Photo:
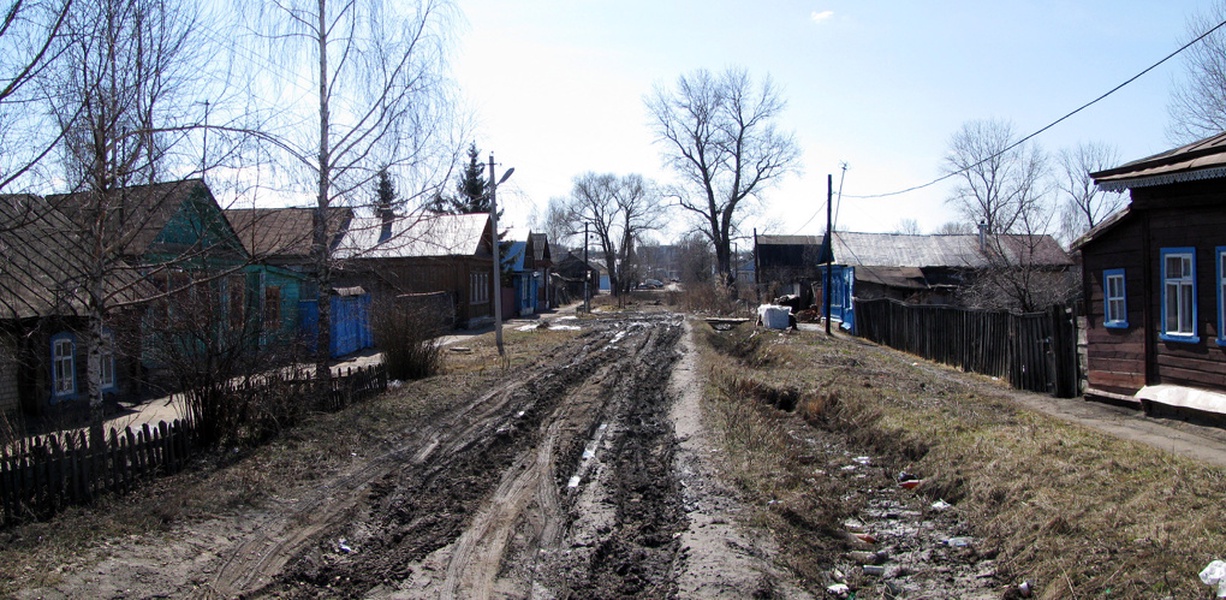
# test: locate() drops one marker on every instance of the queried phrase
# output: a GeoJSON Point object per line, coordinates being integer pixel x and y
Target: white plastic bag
{"type": "Point", "coordinates": [1215, 575]}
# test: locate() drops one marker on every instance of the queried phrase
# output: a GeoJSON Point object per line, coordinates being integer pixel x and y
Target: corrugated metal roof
{"type": "Point", "coordinates": [417, 235]}
{"type": "Point", "coordinates": [1202, 159]}
{"type": "Point", "coordinates": [956, 250]}
{"type": "Point", "coordinates": [789, 240]}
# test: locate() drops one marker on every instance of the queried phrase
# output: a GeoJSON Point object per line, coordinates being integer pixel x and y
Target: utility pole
{"type": "Point", "coordinates": [829, 244]}
{"type": "Point", "coordinates": [587, 275]}
{"type": "Point", "coordinates": [497, 282]}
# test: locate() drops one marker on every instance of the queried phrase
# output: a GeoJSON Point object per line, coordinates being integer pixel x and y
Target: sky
{"type": "Point", "coordinates": [556, 88]}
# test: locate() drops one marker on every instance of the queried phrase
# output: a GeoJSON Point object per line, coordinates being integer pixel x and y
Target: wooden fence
{"type": "Point", "coordinates": [41, 475]}
{"type": "Point", "coordinates": [1033, 351]}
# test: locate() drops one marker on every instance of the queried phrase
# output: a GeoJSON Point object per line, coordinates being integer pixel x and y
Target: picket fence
{"type": "Point", "coordinates": [42, 475]}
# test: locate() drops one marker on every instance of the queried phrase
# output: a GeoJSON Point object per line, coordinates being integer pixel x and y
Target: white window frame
{"type": "Point", "coordinates": [1179, 304]}
{"type": "Point", "coordinates": [1115, 299]}
{"type": "Point", "coordinates": [63, 365]}
{"type": "Point", "coordinates": [479, 288]}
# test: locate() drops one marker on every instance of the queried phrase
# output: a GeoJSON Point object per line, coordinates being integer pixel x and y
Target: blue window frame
{"type": "Point", "coordinates": [1115, 303]}
{"type": "Point", "coordinates": [63, 365]}
{"type": "Point", "coordinates": [1220, 253]}
{"type": "Point", "coordinates": [1179, 295]}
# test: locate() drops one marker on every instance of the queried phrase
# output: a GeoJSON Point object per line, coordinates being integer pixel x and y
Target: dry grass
{"type": "Point", "coordinates": [1078, 512]}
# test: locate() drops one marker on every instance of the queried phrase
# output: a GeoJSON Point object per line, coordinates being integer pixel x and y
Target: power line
{"type": "Point", "coordinates": [1049, 125]}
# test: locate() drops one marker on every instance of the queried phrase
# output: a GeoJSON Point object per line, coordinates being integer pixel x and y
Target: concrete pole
{"type": "Point", "coordinates": [496, 283]}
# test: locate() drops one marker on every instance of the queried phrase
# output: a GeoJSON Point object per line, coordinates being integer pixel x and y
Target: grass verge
{"type": "Point", "coordinates": [1079, 513]}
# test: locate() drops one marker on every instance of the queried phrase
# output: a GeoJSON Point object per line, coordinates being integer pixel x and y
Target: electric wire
{"type": "Point", "coordinates": [1049, 125]}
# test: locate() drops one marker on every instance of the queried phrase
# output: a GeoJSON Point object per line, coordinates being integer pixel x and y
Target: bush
{"type": "Point", "coordinates": [407, 332]}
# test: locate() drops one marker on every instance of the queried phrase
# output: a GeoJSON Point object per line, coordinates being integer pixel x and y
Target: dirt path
{"type": "Point", "coordinates": [568, 481]}
{"type": "Point", "coordinates": [723, 559]}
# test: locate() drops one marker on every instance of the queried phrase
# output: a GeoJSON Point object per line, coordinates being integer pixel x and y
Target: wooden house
{"type": "Point", "coordinates": [527, 263]}
{"type": "Point", "coordinates": [572, 273]}
{"type": "Point", "coordinates": [542, 263]}
{"type": "Point", "coordinates": [1154, 282]}
{"type": "Point", "coordinates": [423, 253]}
{"type": "Point", "coordinates": [177, 237]}
{"type": "Point", "coordinates": [279, 242]}
{"type": "Point", "coordinates": [45, 271]}
{"type": "Point", "coordinates": [787, 264]}
{"type": "Point", "coordinates": [932, 269]}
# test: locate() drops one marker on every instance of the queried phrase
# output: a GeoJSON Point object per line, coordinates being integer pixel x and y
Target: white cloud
{"type": "Point", "coordinates": [818, 17]}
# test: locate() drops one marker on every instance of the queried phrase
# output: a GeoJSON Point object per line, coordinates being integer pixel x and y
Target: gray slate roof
{"type": "Point", "coordinates": [955, 251]}
{"type": "Point", "coordinates": [44, 264]}
{"type": "Point", "coordinates": [417, 235]}
{"type": "Point", "coordinates": [142, 211]}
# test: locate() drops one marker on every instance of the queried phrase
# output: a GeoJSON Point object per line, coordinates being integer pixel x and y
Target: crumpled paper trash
{"type": "Point", "coordinates": [1215, 575]}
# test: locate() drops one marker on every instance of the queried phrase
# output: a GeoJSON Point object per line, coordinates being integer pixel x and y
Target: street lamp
{"type": "Point", "coordinates": [497, 281]}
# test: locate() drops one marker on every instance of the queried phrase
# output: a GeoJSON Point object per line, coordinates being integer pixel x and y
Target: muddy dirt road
{"type": "Point", "coordinates": [568, 481]}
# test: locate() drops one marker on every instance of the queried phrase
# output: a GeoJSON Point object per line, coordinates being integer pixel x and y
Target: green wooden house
{"type": "Point", "coordinates": [209, 291]}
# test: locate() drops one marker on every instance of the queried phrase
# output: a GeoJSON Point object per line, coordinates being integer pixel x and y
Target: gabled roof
{"type": "Point", "coordinates": [417, 235]}
{"type": "Point", "coordinates": [285, 232]}
{"type": "Point", "coordinates": [955, 251]}
{"type": "Point", "coordinates": [1103, 226]}
{"type": "Point", "coordinates": [1202, 159]}
{"type": "Point", "coordinates": [788, 240]}
{"type": "Point", "coordinates": [540, 249]}
{"type": "Point", "coordinates": [514, 254]}
{"type": "Point", "coordinates": [44, 262]}
{"type": "Point", "coordinates": [138, 214]}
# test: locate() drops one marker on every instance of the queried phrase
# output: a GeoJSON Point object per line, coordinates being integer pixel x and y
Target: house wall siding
{"type": "Point", "coordinates": [1201, 364]}
{"type": "Point", "coordinates": [1188, 215]}
{"type": "Point", "coordinates": [10, 391]}
{"type": "Point", "coordinates": [384, 277]}
{"type": "Point", "coordinates": [1115, 358]}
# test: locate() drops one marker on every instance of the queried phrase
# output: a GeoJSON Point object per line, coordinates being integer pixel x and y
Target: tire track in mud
{"type": "Point", "coordinates": [483, 510]}
{"type": "Point", "coordinates": [254, 563]}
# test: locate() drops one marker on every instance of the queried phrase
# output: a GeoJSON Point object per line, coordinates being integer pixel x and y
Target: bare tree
{"type": "Point", "coordinates": [1084, 205]}
{"type": "Point", "coordinates": [954, 227]}
{"type": "Point", "coordinates": [720, 137]}
{"type": "Point", "coordinates": [29, 34]}
{"type": "Point", "coordinates": [695, 260]}
{"type": "Point", "coordinates": [997, 185]}
{"type": "Point", "coordinates": [907, 227]}
{"type": "Point", "coordinates": [117, 96]}
{"type": "Point", "coordinates": [1198, 103]}
{"type": "Point", "coordinates": [556, 224]}
{"type": "Point", "coordinates": [619, 211]}
{"type": "Point", "coordinates": [379, 102]}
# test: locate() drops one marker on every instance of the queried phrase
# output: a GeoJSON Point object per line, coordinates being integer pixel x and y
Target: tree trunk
{"type": "Point", "coordinates": [319, 245]}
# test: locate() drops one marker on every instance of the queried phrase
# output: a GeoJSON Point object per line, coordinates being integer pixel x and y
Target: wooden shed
{"type": "Point", "coordinates": [1154, 282]}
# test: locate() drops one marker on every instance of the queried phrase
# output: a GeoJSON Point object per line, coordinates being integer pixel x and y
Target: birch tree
{"type": "Point", "coordinates": [720, 136]}
{"type": "Point", "coordinates": [375, 98]}
{"type": "Point", "coordinates": [117, 96]}
{"type": "Point", "coordinates": [1198, 101]}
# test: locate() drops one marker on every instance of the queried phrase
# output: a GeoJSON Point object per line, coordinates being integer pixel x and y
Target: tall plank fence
{"type": "Point", "coordinates": [42, 475]}
{"type": "Point", "coordinates": [1032, 351]}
